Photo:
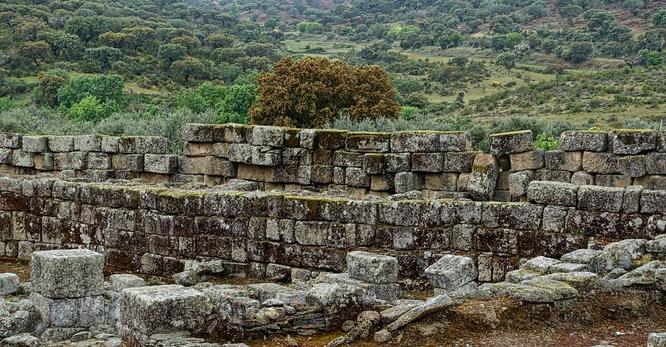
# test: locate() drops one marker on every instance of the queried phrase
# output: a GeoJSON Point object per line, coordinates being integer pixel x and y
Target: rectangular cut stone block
{"type": "Point", "coordinates": [347, 159]}
{"type": "Point", "coordinates": [373, 268]}
{"type": "Point", "coordinates": [451, 272]}
{"type": "Point", "coordinates": [356, 177]}
{"type": "Point", "coordinates": [110, 144]}
{"type": "Point", "coordinates": [368, 142]}
{"type": "Point", "coordinates": [61, 143]}
{"type": "Point", "coordinates": [240, 153]}
{"type": "Point", "coordinates": [10, 141]}
{"type": "Point", "coordinates": [127, 162]}
{"type": "Point", "coordinates": [595, 198]}
{"type": "Point", "coordinates": [631, 199]}
{"type": "Point", "coordinates": [653, 201]}
{"type": "Point", "coordinates": [531, 160]}
{"type": "Point", "coordinates": [373, 163]}
{"type": "Point", "coordinates": [599, 162]}
{"type": "Point", "coordinates": [160, 163]}
{"type": "Point", "coordinates": [482, 181]}
{"type": "Point", "coordinates": [406, 181]}
{"type": "Point", "coordinates": [552, 193]}
{"type": "Point", "coordinates": [509, 143]}
{"type": "Point", "coordinates": [267, 136]}
{"type": "Point", "coordinates": [617, 181]}
{"type": "Point", "coordinates": [561, 160]}
{"type": "Point", "coordinates": [71, 313]}
{"type": "Point", "coordinates": [415, 141]}
{"type": "Point", "coordinates": [428, 162]}
{"type": "Point", "coordinates": [5, 156]}
{"type": "Point", "coordinates": [98, 161]}
{"type": "Point", "coordinates": [67, 273]}
{"type": "Point", "coordinates": [397, 162]}
{"type": "Point", "coordinates": [198, 132]}
{"type": "Point", "coordinates": [22, 159]}
{"type": "Point", "coordinates": [88, 143]}
{"type": "Point", "coordinates": [328, 139]}
{"type": "Point", "coordinates": [34, 144]}
{"type": "Point", "coordinates": [142, 145]}
{"type": "Point", "coordinates": [632, 165]}
{"type": "Point", "coordinates": [459, 161]}
{"type": "Point", "coordinates": [455, 141]}
{"type": "Point", "coordinates": [266, 156]}
{"type": "Point", "coordinates": [633, 141]}
{"type": "Point", "coordinates": [145, 311]}
{"type": "Point", "coordinates": [655, 163]}
{"type": "Point", "coordinates": [519, 182]}
{"type": "Point", "coordinates": [575, 141]}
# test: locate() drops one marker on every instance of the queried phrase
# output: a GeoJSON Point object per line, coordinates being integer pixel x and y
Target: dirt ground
{"type": "Point", "coordinates": [618, 319]}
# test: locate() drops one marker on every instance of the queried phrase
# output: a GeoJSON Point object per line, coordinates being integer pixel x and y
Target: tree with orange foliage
{"type": "Point", "coordinates": [311, 92]}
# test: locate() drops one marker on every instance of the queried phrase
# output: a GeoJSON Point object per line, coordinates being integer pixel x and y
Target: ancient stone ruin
{"type": "Point", "coordinates": [326, 230]}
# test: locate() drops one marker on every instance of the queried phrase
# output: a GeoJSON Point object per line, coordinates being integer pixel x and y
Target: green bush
{"type": "Point", "coordinates": [91, 109]}
{"type": "Point", "coordinates": [547, 142]}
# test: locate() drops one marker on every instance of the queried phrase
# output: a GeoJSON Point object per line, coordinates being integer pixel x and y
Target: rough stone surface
{"type": "Point", "coordinates": [371, 267]}
{"type": "Point", "coordinates": [594, 198]}
{"type": "Point", "coordinates": [9, 283]}
{"type": "Point", "coordinates": [122, 281]}
{"type": "Point", "coordinates": [657, 340]}
{"type": "Point", "coordinates": [451, 272]}
{"type": "Point", "coordinates": [67, 273]}
{"type": "Point", "coordinates": [552, 193]}
{"type": "Point", "coordinates": [509, 143]}
{"type": "Point", "coordinates": [482, 181]}
{"type": "Point", "coordinates": [593, 141]}
{"type": "Point", "coordinates": [633, 141]}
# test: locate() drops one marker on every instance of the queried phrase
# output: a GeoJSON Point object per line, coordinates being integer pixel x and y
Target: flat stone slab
{"type": "Point", "coordinates": [539, 264]}
{"type": "Point", "coordinates": [531, 290]}
{"type": "Point", "coordinates": [372, 291]}
{"type": "Point", "coordinates": [71, 273]}
{"type": "Point", "coordinates": [432, 305]}
{"type": "Point", "coordinates": [451, 272]}
{"type": "Point", "coordinates": [519, 275]}
{"type": "Point", "coordinates": [146, 311]}
{"type": "Point", "coordinates": [371, 267]}
{"type": "Point", "coordinates": [574, 279]}
{"type": "Point", "coordinates": [567, 267]}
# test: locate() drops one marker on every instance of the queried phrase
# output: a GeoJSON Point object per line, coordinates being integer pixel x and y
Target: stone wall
{"type": "Point", "coordinates": [153, 229]}
{"type": "Point", "coordinates": [438, 164]}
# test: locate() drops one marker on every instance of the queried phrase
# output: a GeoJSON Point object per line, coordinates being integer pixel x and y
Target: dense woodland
{"type": "Point", "coordinates": [148, 66]}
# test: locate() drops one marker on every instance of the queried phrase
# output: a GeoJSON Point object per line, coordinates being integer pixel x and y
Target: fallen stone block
{"type": "Point", "coordinates": [67, 273]}
{"type": "Point", "coordinates": [451, 272]}
{"type": "Point", "coordinates": [539, 264]}
{"type": "Point", "coordinates": [432, 305]}
{"type": "Point", "coordinates": [617, 255]}
{"type": "Point", "coordinates": [145, 311]}
{"type": "Point", "coordinates": [580, 256]}
{"type": "Point", "coordinates": [372, 268]}
{"type": "Point", "coordinates": [122, 281]}
{"type": "Point", "coordinates": [371, 291]}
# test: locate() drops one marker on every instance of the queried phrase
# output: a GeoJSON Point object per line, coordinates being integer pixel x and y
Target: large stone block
{"type": "Point", "coordinates": [531, 160]}
{"type": "Point", "coordinates": [240, 153]}
{"type": "Point", "coordinates": [509, 143]}
{"type": "Point", "coordinates": [160, 163]}
{"type": "Point", "coordinates": [145, 311]}
{"type": "Point", "coordinates": [451, 272]}
{"type": "Point", "coordinates": [88, 143]}
{"type": "Point", "coordinates": [10, 141]}
{"type": "Point", "coordinates": [455, 141]}
{"type": "Point", "coordinates": [397, 162]}
{"type": "Point", "coordinates": [369, 142]}
{"type": "Point", "coordinates": [142, 145]}
{"type": "Point", "coordinates": [519, 182]}
{"type": "Point", "coordinates": [61, 143]}
{"type": "Point", "coordinates": [128, 162]}
{"type": "Point", "coordinates": [67, 273]}
{"type": "Point", "coordinates": [266, 156]}
{"type": "Point", "coordinates": [552, 193]}
{"type": "Point", "coordinates": [596, 198]}
{"type": "Point", "coordinates": [415, 141]}
{"type": "Point", "coordinates": [561, 160]}
{"type": "Point", "coordinates": [653, 201]}
{"type": "Point", "coordinates": [582, 178]}
{"type": "Point", "coordinates": [655, 163]}
{"type": "Point", "coordinates": [657, 340]}
{"type": "Point", "coordinates": [372, 268]}
{"type": "Point", "coordinates": [592, 141]}
{"type": "Point", "coordinates": [34, 144]}
{"type": "Point", "coordinates": [632, 165]}
{"type": "Point", "coordinates": [21, 158]}
{"type": "Point", "coordinates": [482, 181]}
{"type": "Point", "coordinates": [198, 132]}
{"type": "Point", "coordinates": [428, 162]}
{"type": "Point", "coordinates": [600, 162]}
{"type": "Point", "coordinates": [406, 181]}
{"type": "Point", "coordinates": [9, 283]}
{"type": "Point", "coordinates": [633, 141]}
{"type": "Point", "coordinates": [267, 136]}
{"type": "Point", "coordinates": [81, 312]}
{"type": "Point", "coordinates": [459, 161]}
{"type": "Point", "coordinates": [98, 161]}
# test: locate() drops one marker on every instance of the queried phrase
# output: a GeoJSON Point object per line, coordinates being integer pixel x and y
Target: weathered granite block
{"type": "Point", "coordinates": [459, 161]}
{"type": "Point", "coordinates": [110, 144]}
{"type": "Point", "coordinates": [122, 281]}
{"type": "Point", "coordinates": [554, 218]}
{"type": "Point", "coordinates": [356, 177]}
{"type": "Point", "coordinates": [67, 273]}
{"type": "Point", "coordinates": [657, 340]}
{"type": "Point", "coordinates": [22, 159]}
{"type": "Point", "coordinates": [455, 141]}
{"type": "Point", "coordinates": [406, 181]}
{"type": "Point", "coordinates": [98, 161]}
{"type": "Point", "coordinates": [266, 156]}
{"type": "Point", "coordinates": [482, 181]}
{"type": "Point", "coordinates": [160, 163]}
{"type": "Point", "coordinates": [596, 198]}
{"type": "Point", "coordinates": [5, 156]}
{"type": "Point", "coordinates": [631, 199]}
{"type": "Point", "coordinates": [9, 283]}
{"type": "Point", "coordinates": [397, 162]}
{"type": "Point", "coordinates": [267, 136]}
{"type": "Point", "coordinates": [10, 141]}
{"type": "Point", "coordinates": [509, 143]}
{"type": "Point", "coordinates": [582, 178]}
{"type": "Point", "coordinates": [127, 162]}
{"type": "Point", "coordinates": [617, 181]}
{"type": "Point", "coordinates": [519, 182]}
{"type": "Point", "coordinates": [653, 201]}
{"type": "Point", "coordinates": [347, 159]}
{"type": "Point", "coordinates": [368, 142]}
{"type": "Point", "coordinates": [415, 141]}
{"type": "Point", "coordinates": [82, 312]}
{"type": "Point", "coordinates": [552, 193]}
{"type": "Point", "coordinates": [145, 311]}
{"type": "Point", "coordinates": [451, 272]}
{"type": "Point", "coordinates": [34, 144]}
{"type": "Point", "coordinates": [632, 165]}
{"type": "Point", "coordinates": [531, 160]}
{"type": "Point", "coordinates": [88, 143]}
{"type": "Point", "coordinates": [240, 153]}
{"type": "Point", "coordinates": [574, 141]}
{"type": "Point", "coordinates": [373, 163]}
{"type": "Point", "coordinates": [633, 141]}
{"type": "Point", "coordinates": [655, 163]}
{"type": "Point", "coordinates": [142, 145]}
{"type": "Point", "coordinates": [198, 132]}
{"type": "Point", "coordinates": [373, 268]}
{"type": "Point", "coordinates": [600, 162]}
{"type": "Point", "coordinates": [428, 162]}
{"type": "Point", "coordinates": [561, 160]}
